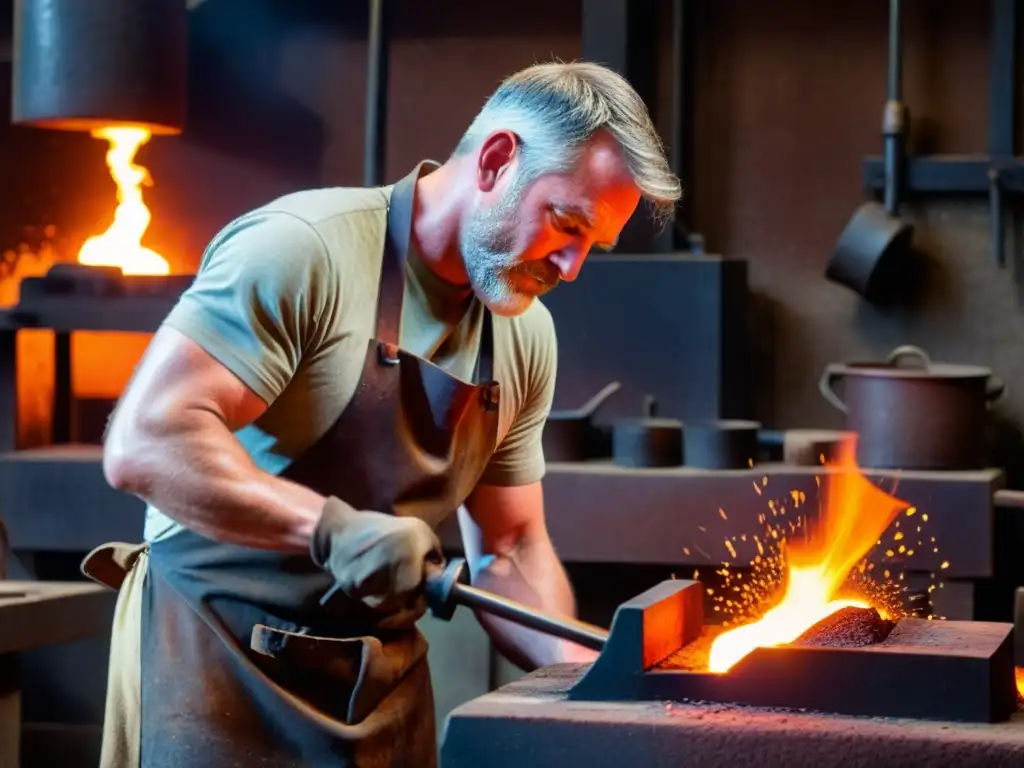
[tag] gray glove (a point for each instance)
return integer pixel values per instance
(374, 557)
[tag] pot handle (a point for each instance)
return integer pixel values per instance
(995, 391)
(590, 407)
(909, 351)
(830, 376)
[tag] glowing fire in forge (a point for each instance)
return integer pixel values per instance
(121, 245)
(853, 516)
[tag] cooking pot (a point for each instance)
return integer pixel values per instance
(911, 413)
(721, 444)
(647, 441)
(572, 435)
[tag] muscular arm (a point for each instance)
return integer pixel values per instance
(510, 553)
(227, 350)
(170, 442)
(503, 528)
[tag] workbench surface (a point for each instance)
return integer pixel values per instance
(39, 613)
(531, 723)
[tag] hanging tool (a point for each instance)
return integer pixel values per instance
(876, 241)
(448, 587)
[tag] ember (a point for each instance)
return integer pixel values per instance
(848, 628)
(854, 515)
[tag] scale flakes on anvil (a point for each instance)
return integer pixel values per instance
(829, 642)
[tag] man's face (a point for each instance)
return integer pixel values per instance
(521, 241)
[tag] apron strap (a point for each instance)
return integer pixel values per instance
(392, 276)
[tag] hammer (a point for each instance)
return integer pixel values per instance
(448, 587)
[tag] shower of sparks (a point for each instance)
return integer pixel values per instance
(746, 588)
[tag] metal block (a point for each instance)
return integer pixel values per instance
(40, 613)
(927, 670)
(958, 671)
(57, 500)
(698, 368)
(646, 630)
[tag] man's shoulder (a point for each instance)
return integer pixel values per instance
(320, 207)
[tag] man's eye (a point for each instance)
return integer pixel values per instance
(568, 228)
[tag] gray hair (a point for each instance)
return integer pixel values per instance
(555, 108)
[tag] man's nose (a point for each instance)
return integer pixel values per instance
(568, 262)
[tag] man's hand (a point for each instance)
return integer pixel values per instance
(374, 557)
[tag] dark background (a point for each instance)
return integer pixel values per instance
(789, 99)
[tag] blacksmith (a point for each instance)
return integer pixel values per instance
(349, 368)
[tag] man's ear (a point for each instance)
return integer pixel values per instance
(496, 155)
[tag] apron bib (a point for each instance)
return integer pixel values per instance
(241, 664)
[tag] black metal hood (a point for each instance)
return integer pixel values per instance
(86, 64)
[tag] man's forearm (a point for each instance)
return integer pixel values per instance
(198, 474)
(530, 574)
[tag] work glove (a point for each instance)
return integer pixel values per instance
(376, 558)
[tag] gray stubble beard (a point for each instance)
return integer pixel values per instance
(486, 244)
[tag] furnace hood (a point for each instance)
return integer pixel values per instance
(86, 64)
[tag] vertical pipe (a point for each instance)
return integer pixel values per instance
(893, 127)
(1002, 114)
(378, 54)
(895, 84)
(681, 127)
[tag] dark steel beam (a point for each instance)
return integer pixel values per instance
(681, 137)
(1002, 79)
(946, 174)
(620, 34)
(377, 69)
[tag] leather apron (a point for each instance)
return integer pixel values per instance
(241, 664)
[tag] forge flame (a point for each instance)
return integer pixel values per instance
(853, 516)
(121, 245)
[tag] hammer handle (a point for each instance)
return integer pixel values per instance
(575, 631)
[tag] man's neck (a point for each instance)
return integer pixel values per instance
(436, 220)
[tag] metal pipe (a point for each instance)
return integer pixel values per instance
(996, 216)
(893, 119)
(895, 79)
(565, 628)
(681, 131)
(1008, 499)
(377, 67)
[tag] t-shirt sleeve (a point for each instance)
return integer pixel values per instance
(257, 299)
(519, 459)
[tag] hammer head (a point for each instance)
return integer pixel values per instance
(441, 587)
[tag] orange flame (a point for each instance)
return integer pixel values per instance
(854, 515)
(121, 245)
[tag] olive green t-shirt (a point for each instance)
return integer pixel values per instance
(286, 297)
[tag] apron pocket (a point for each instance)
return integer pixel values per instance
(347, 678)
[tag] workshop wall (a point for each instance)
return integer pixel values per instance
(789, 100)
